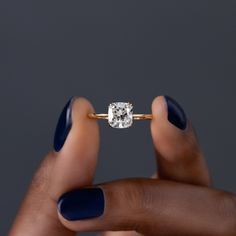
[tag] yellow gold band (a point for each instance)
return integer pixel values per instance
(135, 116)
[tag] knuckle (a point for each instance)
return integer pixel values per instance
(132, 203)
(141, 202)
(132, 193)
(145, 193)
(139, 195)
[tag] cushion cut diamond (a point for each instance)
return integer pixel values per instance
(120, 114)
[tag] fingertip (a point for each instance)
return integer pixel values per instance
(168, 109)
(159, 110)
(159, 125)
(84, 133)
(81, 107)
(169, 127)
(81, 209)
(178, 153)
(84, 128)
(76, 110)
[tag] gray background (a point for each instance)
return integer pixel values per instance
(109, 51)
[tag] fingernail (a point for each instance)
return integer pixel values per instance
(176, 114)
(81, 204)
(63, 126)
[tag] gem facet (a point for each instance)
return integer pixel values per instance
(120, 114)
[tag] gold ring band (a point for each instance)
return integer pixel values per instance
(120, 115)
(135, 116)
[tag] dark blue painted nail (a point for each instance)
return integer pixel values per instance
(176, 114)
(63, 126)
(81, 204)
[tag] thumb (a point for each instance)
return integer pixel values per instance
(178, 153)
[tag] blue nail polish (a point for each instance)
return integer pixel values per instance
(176, 114)
(63, 126)
(81, 204)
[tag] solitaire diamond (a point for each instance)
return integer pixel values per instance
(120, 114)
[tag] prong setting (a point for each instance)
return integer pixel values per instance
(120, 115)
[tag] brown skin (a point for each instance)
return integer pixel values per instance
(180, 201)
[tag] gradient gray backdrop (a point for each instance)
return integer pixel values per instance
(109, 51)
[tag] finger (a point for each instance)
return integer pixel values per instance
(130, 232)
(150, 207)
(178, 153)
(76, 155)
(126, 233)
(71, 165)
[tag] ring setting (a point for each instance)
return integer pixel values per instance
(120, 115)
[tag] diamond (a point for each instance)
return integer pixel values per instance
(120, 115)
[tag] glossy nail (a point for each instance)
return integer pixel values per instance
(64, 125)
(176, 114)
(82, 204)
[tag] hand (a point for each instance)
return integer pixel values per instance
(179, 202)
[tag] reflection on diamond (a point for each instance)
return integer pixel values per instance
(120, 114)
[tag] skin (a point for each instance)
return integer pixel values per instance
(177, 200)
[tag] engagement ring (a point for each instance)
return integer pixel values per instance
(120, 115)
